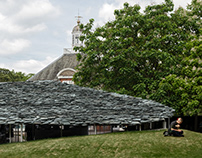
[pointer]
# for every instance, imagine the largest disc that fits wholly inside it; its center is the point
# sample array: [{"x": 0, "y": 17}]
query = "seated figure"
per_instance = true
[{"x": 174, "y": 129}]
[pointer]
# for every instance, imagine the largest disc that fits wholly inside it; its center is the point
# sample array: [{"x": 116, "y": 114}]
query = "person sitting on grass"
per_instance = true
[{"x": 174, "y": 128}]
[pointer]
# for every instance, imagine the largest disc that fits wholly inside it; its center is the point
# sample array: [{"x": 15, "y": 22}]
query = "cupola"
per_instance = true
[{"x": 76, "y": 33}]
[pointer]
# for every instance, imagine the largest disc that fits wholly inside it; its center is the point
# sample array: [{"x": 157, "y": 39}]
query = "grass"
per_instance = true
[{"x": 119, "y": 145}]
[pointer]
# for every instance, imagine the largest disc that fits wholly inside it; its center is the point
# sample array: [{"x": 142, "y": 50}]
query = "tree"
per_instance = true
[
  {"x": 12, "y": 76},
  {"x": 5, "y": 75},
  {"x": 184, "y": 91},
  {"x": 136, "y": 52}
]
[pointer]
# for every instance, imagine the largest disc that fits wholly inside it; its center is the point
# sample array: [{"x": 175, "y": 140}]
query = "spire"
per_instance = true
[{"x": 78, "y": 18}]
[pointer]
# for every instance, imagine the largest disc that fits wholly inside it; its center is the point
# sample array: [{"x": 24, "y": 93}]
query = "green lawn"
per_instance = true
[{"x": 119, "y": 145}]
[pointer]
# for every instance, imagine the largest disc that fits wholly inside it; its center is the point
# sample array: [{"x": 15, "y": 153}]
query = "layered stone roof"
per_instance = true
[{"x": 56, "y": 103}]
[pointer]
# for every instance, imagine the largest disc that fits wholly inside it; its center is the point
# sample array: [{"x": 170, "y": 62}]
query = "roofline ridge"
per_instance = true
[{"x": 46, "y": 66}]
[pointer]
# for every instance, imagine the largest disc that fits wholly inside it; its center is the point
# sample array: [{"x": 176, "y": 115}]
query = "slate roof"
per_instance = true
[
  {"x": 53, "y": 102},
  {"x": 50, "y": 72}
]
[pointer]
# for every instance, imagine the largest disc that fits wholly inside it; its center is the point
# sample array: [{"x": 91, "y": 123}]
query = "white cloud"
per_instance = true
[
  {"x": 2, "y": 17},
  {"x": 69, "y": 37},
  {"x": 144, "y": 3},
  {"x": 131, "y": 2},
  {"x": 20, "y": 20},
  {"x": 8, "y": 26},
  {"x": 30, "y": 66},
  {"x": 37, "y": 9},
  {"x": 26, "y": 16},
  {"x": 36, "y": 28},
  {"x": 181, "y": 3},
  {"x": 107, "y": 9},
  {"x": 106, "y": 12},
  {"x": 88, "y": 10},
  {"x": 8, "y": 47}
]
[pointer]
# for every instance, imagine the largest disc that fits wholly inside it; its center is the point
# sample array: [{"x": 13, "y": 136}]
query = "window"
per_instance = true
[{"x": 77, "y": 39}]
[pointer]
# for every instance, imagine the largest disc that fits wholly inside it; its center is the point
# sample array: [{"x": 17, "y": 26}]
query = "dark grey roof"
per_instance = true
[
  {"x": 50, "y": 72},
  {"x": 53, "y": 102}
]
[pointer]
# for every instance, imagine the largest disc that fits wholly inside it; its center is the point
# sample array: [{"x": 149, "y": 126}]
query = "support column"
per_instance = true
[
  {"x": 169, "y": 122},
  {"x": 33, "y": 132},
  {"x": 95, "y": 129},
  {"x": 9, "y": 133},
  {"x": 61, "y": 128},
  {"x": 140, "y": 127},
  {"x": 21, "y": 132},
  {"x": 164, "y": 124},
  {"x": 18, "y": 132},
  {"x": 150, "y": 126}
]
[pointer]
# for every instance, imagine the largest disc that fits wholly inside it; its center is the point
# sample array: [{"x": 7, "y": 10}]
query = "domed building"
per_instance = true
[{"x": 63, "y": 68}]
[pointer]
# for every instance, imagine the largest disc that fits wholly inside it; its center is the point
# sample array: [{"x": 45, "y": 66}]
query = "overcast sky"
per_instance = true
[{"x": 33, "y": 33}]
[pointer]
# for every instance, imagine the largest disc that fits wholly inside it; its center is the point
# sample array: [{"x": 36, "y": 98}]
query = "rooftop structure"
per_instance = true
[
  {"x": 65, "y": 64},
  {"x": 56, "y": 103}
]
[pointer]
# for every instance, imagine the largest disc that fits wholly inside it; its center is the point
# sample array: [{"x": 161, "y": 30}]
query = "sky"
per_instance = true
[{"x": 33, "y": 33}]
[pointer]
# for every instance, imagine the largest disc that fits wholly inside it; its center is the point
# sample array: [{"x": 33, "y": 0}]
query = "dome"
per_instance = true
[{"x": 77, "y": 27}]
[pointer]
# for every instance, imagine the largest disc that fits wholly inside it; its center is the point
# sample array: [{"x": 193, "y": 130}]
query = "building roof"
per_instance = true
[
  {"x": 50, "y": 72},
  {"x": 56, "y": 103}
]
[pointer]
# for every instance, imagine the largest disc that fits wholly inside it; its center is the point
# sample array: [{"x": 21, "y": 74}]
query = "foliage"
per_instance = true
[
  {"x": 138, "y": 52},
  {"x": 12, "y": 76},
  {"x": 127, "y": 144},
  {"x": 184, "y": 90}
]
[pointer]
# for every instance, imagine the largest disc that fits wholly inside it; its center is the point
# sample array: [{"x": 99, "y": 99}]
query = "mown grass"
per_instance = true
[{"x": 119, "y": 145}]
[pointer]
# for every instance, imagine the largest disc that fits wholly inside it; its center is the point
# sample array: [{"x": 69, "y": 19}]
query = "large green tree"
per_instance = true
[
  {"x": 135, "y": 53},
  {"x": 11, "y": 76},
  {"x": 183, "y": 90}
]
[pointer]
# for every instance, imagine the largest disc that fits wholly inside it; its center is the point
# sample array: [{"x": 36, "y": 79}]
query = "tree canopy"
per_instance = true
[
  {"x": 154, "y": 55},
  {"x": 11, "y": 76}
]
